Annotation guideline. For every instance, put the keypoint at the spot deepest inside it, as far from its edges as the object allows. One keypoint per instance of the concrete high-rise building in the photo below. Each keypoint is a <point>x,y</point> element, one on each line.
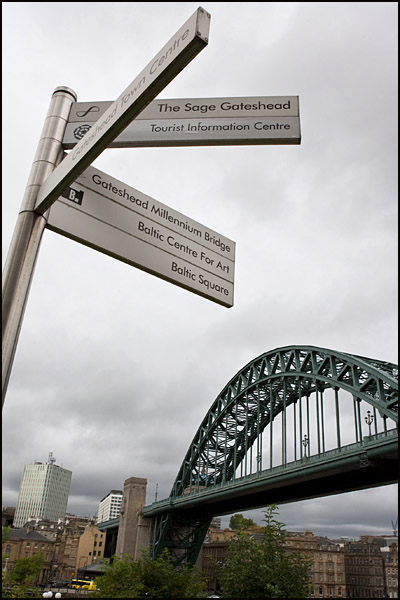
<point>43,493</point>
<point>110,506</point>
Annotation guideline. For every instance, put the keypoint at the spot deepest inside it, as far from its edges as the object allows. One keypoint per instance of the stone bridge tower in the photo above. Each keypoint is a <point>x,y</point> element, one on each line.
<point>134,529</point>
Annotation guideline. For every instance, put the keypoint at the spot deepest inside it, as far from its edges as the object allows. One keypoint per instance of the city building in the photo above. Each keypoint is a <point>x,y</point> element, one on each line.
<point>66,547</point>
<point>75,544</point>
<point>364,568</point>
<point>110,506</point>
<point>91,546</point>
<point>43,493</point>
<point>7,516</point>
<point>390,556</point>
<point>24,543</point>
<point>328,576</point>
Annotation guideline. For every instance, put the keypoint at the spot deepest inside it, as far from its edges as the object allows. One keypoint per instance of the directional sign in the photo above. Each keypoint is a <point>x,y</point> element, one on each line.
<point>191,38</point>
<point>116,219</point>
<point>197,122</point>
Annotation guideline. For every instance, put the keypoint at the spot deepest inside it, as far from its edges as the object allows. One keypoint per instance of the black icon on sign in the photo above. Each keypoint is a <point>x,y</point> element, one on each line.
<point>83,113</point>
<point>73,195</point>
<point>80,131</point>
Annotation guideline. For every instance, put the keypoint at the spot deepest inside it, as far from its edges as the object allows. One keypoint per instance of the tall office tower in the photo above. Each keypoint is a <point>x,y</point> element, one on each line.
<point>43,493</point>
<point>110,506</point>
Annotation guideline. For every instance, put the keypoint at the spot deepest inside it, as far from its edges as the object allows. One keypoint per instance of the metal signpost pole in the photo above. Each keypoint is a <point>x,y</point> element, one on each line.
<point>24,248</point>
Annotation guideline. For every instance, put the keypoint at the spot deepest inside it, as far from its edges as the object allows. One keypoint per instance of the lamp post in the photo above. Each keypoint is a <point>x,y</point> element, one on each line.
<point>305,444</point>
<point>369,419</point>
<point>258,462</point>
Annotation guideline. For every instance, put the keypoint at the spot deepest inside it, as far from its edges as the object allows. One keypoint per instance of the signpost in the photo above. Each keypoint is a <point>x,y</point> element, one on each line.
<point>197,122</point>
<point>191,38</point>
<point>42,192</point>
<point>116,219</point>
<point>91,207</point>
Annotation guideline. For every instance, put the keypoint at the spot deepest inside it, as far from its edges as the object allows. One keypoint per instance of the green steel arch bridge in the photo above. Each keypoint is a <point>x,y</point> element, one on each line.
<point>295,423</point>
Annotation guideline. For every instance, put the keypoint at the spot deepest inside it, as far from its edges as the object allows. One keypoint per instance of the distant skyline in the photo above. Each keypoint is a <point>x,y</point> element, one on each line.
<point>116,368</point>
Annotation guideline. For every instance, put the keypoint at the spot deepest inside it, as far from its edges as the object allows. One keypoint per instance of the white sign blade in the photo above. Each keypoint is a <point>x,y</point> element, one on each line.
<point>198,122</point>
<point>115,219</point>
<point>190,108</point>
<point>191,38</point>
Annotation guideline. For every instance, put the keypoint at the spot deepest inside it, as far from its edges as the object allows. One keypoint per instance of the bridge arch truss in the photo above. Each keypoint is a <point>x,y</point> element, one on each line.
<point>289,404</point>
<point>230,436</point>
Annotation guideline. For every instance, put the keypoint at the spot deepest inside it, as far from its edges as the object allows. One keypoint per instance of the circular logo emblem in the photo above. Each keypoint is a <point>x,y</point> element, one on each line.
<point>80,131</point>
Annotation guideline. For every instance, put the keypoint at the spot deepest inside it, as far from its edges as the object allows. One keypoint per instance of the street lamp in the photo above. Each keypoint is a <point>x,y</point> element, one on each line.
<point>305,444</point>
<point>369,419</point>
<point>258,462</point>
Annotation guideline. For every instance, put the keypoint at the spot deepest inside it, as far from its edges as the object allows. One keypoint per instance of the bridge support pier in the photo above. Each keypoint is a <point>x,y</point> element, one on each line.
<point>134,529</point>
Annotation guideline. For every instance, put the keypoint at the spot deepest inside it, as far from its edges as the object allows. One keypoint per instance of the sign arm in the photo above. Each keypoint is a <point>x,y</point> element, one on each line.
<point>173,58</point>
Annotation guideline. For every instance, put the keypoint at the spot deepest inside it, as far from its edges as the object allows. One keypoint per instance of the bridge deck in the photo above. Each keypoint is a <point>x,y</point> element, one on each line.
<point>370,463</point>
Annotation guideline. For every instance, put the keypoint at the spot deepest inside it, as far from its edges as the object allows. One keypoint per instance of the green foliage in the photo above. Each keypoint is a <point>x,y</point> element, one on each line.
<point>20,591</point>
<point>238,522</point>
<point>147,577</point>
<point>19,583</point>
<point>27,569</point>
<point>5,534</point>
<point>264,568</point>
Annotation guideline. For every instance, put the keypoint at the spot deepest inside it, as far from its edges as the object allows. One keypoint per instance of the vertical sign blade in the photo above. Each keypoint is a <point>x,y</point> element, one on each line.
<point>189,40</point>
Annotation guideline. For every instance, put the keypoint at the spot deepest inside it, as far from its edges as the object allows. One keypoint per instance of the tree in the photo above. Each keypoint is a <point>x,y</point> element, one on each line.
<point>19,583</point>
<point>26,570</point>
<point>5,534</point>
<point>264,568</point>
<point>238,521</point>
<point>148,577</point>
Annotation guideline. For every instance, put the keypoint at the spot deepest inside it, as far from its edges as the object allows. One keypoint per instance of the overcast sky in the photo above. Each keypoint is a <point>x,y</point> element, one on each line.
<point>116,368</point>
